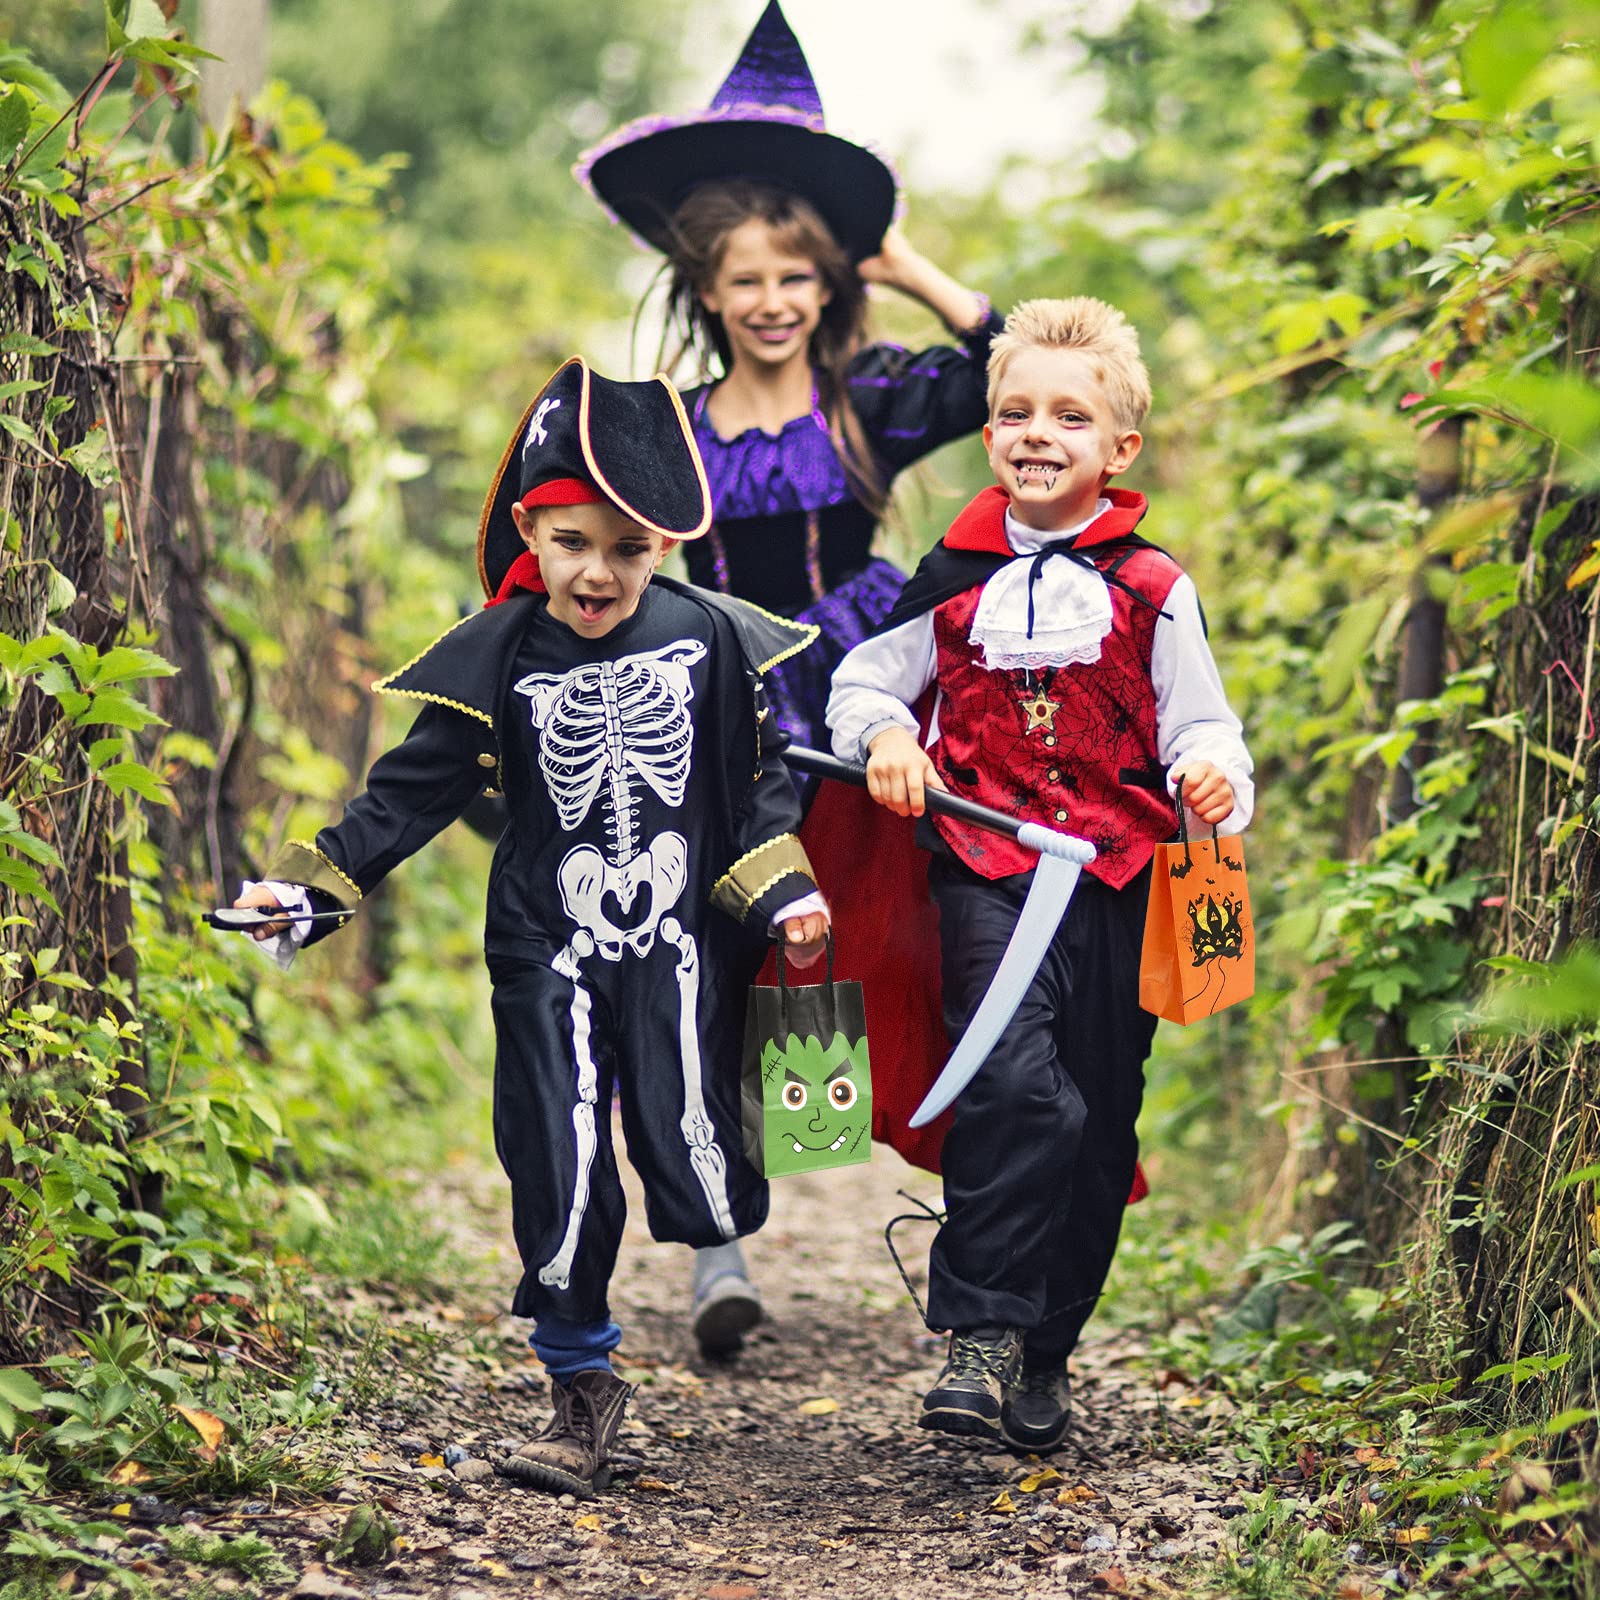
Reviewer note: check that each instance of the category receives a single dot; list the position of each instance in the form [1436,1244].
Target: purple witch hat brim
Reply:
[765,124]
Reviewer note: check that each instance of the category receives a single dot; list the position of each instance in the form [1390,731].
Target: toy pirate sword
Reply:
[1061,858]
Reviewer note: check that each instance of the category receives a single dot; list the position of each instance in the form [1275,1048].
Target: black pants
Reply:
[1040,1155]
[563,1045]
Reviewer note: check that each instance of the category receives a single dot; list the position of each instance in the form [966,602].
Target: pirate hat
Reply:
[589,437]
[764,123]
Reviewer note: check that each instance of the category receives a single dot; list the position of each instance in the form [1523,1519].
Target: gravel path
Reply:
[794,1470]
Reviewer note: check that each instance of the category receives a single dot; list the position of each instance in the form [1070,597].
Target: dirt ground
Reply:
[795,1469]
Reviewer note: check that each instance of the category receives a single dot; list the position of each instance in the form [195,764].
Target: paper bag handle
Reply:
[1183,830]
[783,989]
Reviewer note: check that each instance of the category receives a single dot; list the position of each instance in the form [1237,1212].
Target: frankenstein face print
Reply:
[815,1109]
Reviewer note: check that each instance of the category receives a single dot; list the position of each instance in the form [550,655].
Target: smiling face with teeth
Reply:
[770,298]
[1052,437]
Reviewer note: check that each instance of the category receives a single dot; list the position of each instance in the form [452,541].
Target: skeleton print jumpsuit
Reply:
[650,840]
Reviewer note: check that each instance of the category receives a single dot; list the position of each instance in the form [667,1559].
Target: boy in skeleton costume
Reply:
[651,836]
[1071,684]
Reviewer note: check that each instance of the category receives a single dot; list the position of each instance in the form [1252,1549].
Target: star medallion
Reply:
[1041,712]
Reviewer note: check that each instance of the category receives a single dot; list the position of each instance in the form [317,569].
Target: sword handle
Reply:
[241,919]
[1031,835]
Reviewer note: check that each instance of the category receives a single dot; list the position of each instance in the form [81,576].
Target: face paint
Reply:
[816,1106]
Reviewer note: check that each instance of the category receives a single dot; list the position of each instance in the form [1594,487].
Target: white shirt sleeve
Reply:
[282,948]
[1194,721]
[878,683]
[802,907]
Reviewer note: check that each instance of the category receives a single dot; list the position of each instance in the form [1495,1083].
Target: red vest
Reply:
[1062,752]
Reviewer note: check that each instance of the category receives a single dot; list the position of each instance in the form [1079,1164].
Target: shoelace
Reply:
[977,1358]
[576,1415]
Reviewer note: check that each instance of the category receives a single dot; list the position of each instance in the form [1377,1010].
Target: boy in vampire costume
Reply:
[1060,665]
[651,824]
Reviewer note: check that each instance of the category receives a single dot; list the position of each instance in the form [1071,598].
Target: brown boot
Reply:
[571,1455]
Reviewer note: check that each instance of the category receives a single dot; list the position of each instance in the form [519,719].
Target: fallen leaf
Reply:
[681,1433]
[818,1408]
[1528,1479]
[212,1429]
[699,1549]
[430,1461]
[124,1510]
[1113,1579]
[1411,1535]
[833,1544]
[452,1314]
[1035,1481]
[130,1472]
[654,1484]
[1383,1464]
[1186,1400]
[1076,1495]
[1004,1504]
[1366,1453]
[588,1524]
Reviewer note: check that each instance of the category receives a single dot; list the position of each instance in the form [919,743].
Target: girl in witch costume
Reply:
[772,228]
[651,822]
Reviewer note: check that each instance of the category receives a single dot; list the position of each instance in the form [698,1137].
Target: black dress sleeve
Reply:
[910,404]
[770,868]
[412,792]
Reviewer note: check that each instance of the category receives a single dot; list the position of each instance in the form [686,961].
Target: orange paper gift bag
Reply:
[1199,939]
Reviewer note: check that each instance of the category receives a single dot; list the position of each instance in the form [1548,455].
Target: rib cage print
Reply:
[605,725]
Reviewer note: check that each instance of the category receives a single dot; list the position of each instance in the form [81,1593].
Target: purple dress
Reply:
[790,536]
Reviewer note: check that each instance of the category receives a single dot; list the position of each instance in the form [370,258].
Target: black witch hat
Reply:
[589,437]
[764,123]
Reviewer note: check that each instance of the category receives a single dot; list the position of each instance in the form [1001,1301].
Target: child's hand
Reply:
[1205,791]
[262,898]
[895,261]
[804,938]
[899,773]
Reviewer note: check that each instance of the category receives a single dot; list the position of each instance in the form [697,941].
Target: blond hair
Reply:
[1100,331]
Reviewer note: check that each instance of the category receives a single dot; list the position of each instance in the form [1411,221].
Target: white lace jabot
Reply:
[1071,605]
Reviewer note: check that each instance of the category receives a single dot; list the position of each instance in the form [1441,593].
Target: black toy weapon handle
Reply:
[951,805]
[241,919]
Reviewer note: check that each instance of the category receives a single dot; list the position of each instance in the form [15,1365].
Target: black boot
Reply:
[1036,1410]
[982,1364]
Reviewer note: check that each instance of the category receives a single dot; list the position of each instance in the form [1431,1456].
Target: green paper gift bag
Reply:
[807,1088]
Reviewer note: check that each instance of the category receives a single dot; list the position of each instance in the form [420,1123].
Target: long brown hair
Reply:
[700,231]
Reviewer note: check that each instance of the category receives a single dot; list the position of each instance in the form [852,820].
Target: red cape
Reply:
[885,923]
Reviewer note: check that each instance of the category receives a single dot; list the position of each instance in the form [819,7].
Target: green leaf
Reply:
[123,777]
[25,844]
[127,662]
[20,1389]
[116,708]
[25,344]
[43,164]
[19,876]
[1504,52]
[143,20]
[16,112]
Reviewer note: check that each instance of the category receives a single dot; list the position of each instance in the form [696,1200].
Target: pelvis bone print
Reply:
[608,732]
